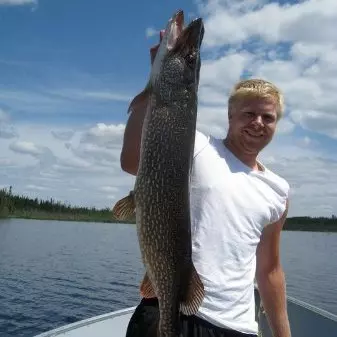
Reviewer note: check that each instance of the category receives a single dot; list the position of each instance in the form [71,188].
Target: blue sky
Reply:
[69,69]
[91,46]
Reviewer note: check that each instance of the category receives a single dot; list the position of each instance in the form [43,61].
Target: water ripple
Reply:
[91,269]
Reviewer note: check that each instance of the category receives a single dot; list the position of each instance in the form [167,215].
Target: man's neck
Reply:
[249,159]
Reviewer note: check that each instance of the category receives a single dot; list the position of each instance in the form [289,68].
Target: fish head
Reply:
[185,55]
[172,31]
[178,78]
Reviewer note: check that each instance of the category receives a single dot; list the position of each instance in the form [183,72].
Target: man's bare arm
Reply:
[129,158]
[270,279]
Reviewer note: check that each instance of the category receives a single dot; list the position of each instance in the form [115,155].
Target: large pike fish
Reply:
[160,198]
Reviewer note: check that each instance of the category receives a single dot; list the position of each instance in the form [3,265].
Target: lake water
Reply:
[54,273]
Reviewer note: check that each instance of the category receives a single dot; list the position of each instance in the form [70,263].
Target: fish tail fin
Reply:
[194,296]
[146,288]
[124,209]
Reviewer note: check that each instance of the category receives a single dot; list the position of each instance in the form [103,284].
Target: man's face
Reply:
[252,123]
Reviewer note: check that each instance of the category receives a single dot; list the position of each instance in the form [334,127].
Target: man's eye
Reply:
[268,118]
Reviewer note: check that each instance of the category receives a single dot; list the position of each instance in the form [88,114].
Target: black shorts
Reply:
[143,323]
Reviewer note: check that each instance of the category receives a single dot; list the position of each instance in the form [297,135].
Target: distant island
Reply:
[19,206]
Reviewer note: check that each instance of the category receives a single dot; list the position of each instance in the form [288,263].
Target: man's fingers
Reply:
[153,52]
[161,34]
[154,49]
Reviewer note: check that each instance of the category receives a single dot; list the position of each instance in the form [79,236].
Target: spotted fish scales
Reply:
[160,197]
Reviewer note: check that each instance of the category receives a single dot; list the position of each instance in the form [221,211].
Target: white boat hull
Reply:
[305,321]
[107,325]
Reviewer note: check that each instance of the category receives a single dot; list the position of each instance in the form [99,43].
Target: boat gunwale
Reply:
[310,307]
[121,312]
[85,322]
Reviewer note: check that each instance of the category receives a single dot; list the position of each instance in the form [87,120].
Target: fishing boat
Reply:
[305,320]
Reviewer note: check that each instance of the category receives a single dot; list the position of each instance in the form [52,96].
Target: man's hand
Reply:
[270,279]
[154,49]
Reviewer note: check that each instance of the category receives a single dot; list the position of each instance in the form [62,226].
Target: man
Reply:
[238,208]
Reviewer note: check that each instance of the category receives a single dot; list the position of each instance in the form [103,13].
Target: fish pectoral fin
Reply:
[146,288]
[140,97]
[194,295]
[124,209]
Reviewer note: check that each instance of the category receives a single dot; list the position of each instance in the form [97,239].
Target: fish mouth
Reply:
[177,38]
[191,36]
[194,33]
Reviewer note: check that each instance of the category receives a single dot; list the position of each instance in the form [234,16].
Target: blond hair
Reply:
[257,88]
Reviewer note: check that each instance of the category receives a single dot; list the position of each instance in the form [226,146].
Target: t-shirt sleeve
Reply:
[201,141]
[283,193]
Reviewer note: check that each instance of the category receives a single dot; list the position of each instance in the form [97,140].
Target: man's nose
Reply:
[258,120]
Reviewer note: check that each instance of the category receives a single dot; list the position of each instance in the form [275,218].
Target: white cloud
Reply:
[26,148]
[5,162]
[76,94]
[246,39]
[98,154]
[312,179]
[59,101]
[293,45]
[225,70]
[108,189]
[7,131]
[3,116]
[213,119]
[285,126]
[150,31]
[79,177]
[235,22]
[36,187]
[108,136]
[18,2]
[85,173]
[63,135]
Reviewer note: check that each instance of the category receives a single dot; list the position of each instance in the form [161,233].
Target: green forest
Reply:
[19,206]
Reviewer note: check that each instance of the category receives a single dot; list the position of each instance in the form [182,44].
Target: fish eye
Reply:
[190,59]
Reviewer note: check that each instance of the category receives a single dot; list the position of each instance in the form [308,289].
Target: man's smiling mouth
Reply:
[253,134]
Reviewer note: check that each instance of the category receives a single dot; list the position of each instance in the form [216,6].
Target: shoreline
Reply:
[13,206]
[64,217]
[289,227]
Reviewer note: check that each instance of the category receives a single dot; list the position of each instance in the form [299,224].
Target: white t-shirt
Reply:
[230,206]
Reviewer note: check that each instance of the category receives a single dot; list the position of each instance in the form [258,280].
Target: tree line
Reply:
[20,206]
[312,224]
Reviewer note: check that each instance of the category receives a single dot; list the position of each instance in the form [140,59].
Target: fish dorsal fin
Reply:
[146,288]
[124,209]
[194,295]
